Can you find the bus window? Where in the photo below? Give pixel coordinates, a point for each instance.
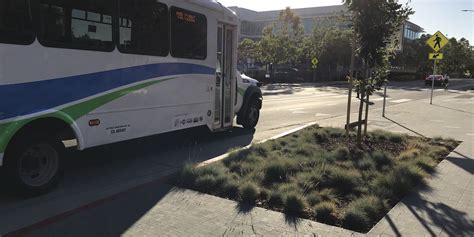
(77, 24)
(16, 26)
(144, 27)
(188, 34)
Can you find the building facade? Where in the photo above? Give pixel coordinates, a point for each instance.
(253, 22)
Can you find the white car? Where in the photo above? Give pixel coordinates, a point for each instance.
(248, 80)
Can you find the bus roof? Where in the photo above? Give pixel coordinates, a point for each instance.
(216, 6)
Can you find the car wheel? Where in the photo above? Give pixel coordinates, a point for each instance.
(34, 165)
(252, 114)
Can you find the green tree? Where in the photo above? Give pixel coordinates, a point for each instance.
(282, 41)
(457, 58)
(375, 22)
(247, 50)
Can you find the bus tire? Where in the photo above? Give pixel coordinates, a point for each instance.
(33, 165)
(252, 114)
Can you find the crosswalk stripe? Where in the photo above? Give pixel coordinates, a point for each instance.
(401, 101)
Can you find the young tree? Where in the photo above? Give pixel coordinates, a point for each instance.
(375, 23)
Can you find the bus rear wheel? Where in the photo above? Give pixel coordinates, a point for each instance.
(252, 114)
(34, 165)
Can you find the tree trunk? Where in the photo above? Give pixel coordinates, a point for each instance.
(361, 108)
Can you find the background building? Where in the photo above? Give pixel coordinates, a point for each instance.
(254, 22)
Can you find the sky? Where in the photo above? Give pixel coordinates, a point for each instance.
(433, 15)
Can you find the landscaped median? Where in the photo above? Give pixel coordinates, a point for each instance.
(320, 174)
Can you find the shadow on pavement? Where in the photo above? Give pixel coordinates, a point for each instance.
(453, 222)
(405, 127)
(114, 168)
(462, 162)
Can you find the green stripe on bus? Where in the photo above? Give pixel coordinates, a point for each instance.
(241, 91)
(74, 111)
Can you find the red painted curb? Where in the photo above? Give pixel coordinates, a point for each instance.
(51, 220)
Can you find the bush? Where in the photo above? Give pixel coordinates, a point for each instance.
(355, 219)
(425, 163)
(212, 169)
(249, 193)
(342, 153)
(230, 190)
(328, 195)
(278, 170)
(186, 177)
(398, 182)
(438, 152)
(366, 164)
(344, 181)
(325, 212)
(409, 154)
(275, 200)
(313, 198)
(307, 150)
(321, 136)
(396, 138)
(335, 132)
(371, 206)
(294, 203)
(380, 135)
(381, 159)
(205, 183)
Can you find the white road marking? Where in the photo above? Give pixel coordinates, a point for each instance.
(378, 99)
(300, 112)
(330, 104)
(470, 134)
(452, 127)
(401, 101)
(295, 109)
(321, 115)
(437, 121)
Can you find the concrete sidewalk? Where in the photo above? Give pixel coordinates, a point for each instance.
(445, 208)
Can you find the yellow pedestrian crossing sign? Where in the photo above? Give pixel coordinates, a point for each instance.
(315, 61)
(436, 56)
(437, 41)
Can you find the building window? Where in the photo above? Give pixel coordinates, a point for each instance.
(77, 24)
(144, 27)
(188, 34)
(16, 26)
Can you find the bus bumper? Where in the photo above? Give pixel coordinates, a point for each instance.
(1, 159)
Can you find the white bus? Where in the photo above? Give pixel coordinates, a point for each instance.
(106, 71)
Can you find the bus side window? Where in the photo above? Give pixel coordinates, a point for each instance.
(16, 26)
(144, 27)
(77, 24)
(188, 34)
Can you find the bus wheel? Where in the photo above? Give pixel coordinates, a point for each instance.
(252, 114)
(34, 165)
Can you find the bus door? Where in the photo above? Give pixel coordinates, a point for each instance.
(225, 78)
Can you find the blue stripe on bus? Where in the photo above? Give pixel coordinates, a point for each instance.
(27, 98)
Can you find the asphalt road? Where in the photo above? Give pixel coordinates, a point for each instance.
(99, 173)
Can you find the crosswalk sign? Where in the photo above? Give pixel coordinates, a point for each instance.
(436, 56)
(437, 41)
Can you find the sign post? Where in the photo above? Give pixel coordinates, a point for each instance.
(436, 42)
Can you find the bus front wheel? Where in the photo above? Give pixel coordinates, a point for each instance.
(33, 165)
(252, 114)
